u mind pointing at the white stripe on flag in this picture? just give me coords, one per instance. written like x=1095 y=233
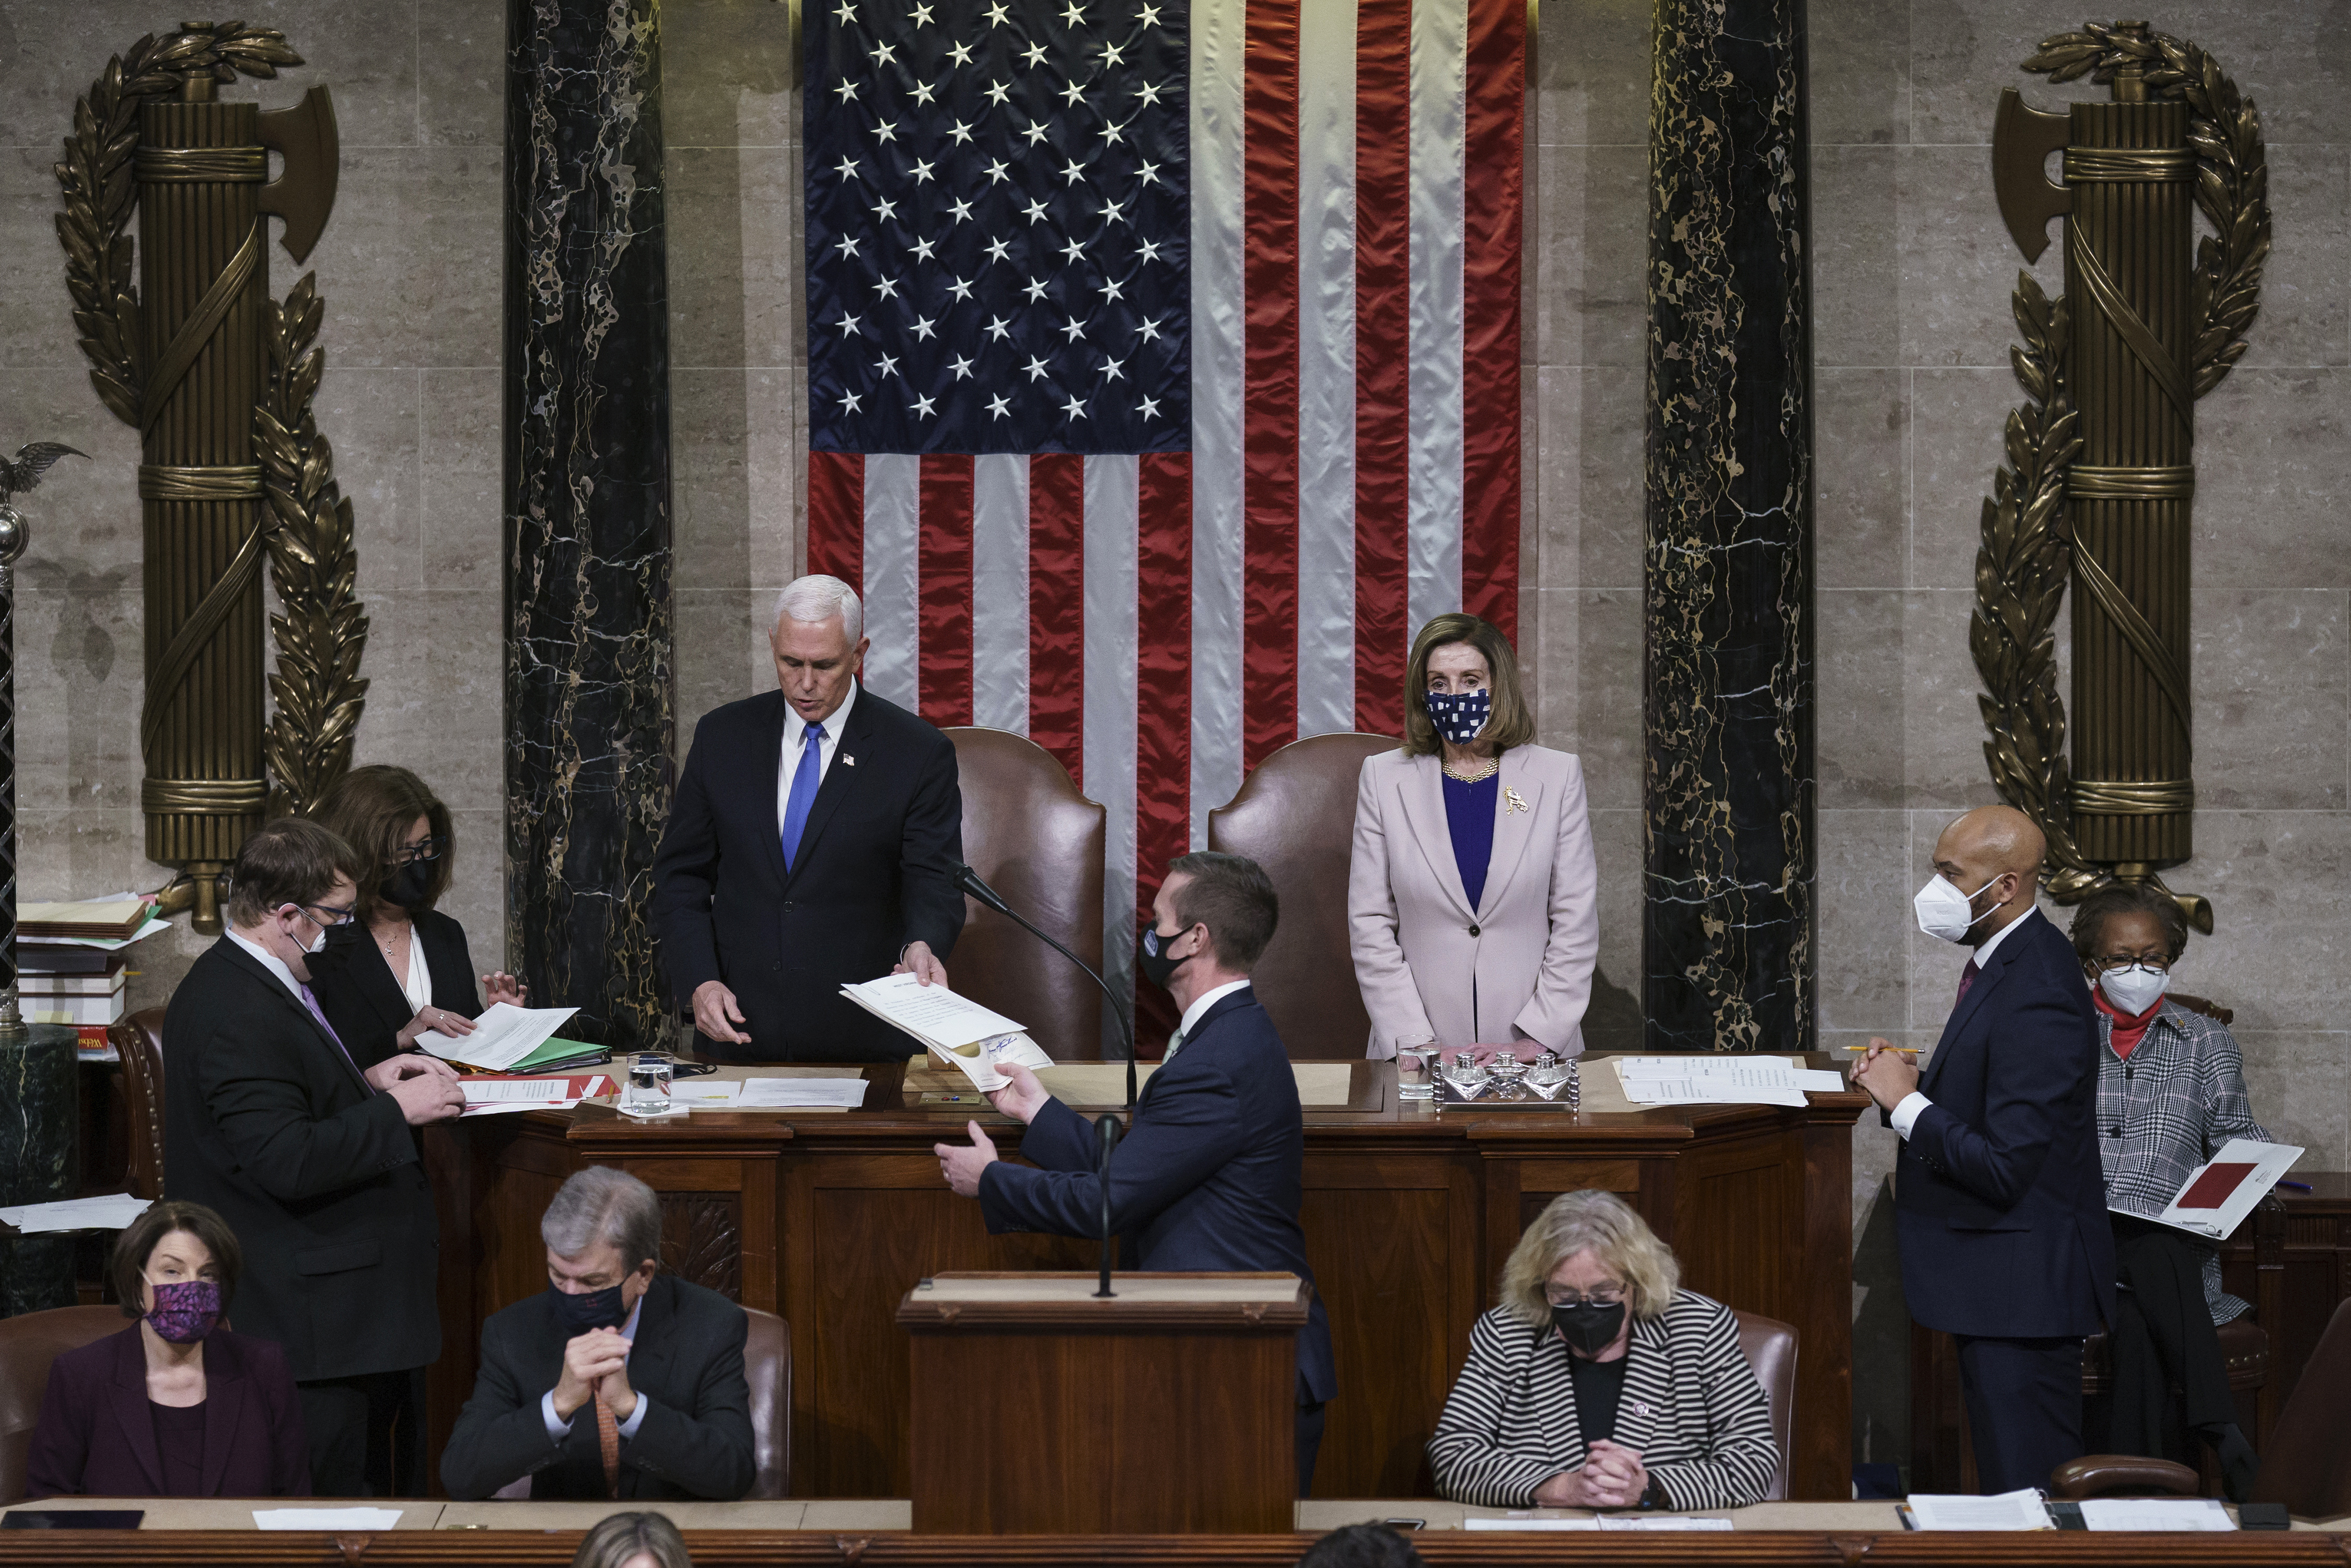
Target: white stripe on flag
x=892 y=589
x=1440 y=76
x=1112 y=571
x=1218 y=42
x=1326 y=366
x=999 y=591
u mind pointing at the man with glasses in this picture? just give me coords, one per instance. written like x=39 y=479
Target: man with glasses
x=268 y=1121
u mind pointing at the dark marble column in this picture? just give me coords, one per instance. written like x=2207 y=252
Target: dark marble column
x=40 y=1123
x=589 y=714
x=1728 y=579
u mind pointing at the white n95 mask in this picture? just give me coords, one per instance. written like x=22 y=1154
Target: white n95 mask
x=1944 y=911
x=2134 y=990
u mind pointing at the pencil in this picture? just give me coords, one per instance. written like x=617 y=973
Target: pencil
x=1898 y=1050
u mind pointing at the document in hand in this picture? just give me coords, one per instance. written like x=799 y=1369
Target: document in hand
x=2217 y=1195
x=958 y=1031
x=502 y=1037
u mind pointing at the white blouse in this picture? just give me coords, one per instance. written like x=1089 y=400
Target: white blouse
x=418 y=986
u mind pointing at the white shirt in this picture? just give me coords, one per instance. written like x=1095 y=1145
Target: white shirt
x=418 y=987
x=271 y=962
x=794 y=729
x=1200 y=1005
x=1906 y=1115
x=558 y=1428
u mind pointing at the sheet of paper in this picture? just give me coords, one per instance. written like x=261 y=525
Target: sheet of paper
x=1660 y=1521
x=932 y=1014
x=1819 y=1080
x=110 y=1211
x=706 y=1093
x=802 y=1093
x=2269 y=1162
x=1527 y=1521
x=2156 y=1513
x=2020 y=1509
x=502 y=1035
x=483 y=1091
x=325 y=1518
x=983 y=1061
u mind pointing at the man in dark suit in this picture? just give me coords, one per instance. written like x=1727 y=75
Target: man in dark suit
x=1208 y=1177
x=1999 y=1205
x=268 y=1121
x=813 y=842
x=657 y=1362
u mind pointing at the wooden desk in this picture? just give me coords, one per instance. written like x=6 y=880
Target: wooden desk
x=828 y=1217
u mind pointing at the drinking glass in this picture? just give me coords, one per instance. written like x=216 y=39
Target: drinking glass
x=1415 y=1061
x=650 y=1073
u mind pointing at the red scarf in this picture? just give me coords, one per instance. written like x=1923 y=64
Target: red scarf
x=2128 y=1031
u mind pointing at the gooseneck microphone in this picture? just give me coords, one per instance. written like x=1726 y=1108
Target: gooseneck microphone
x=1106 y=1128
x=968 y=881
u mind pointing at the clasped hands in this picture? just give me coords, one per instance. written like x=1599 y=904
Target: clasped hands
x=1889 y=1075
x=595 y=1366
x=1612 y=1476
x=1021 y=1099
x=426 y=1088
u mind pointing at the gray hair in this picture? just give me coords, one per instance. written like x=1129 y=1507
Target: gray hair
x=818 y=598
x=600 y=1204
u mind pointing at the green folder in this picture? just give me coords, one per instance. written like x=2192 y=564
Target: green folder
x=557 y=1051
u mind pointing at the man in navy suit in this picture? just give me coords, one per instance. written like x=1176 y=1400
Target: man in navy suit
x=813 y=842
x=1208 y=1176
x=1999 y=1202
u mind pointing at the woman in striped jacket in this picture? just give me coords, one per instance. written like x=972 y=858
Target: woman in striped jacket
x=1599 y=1384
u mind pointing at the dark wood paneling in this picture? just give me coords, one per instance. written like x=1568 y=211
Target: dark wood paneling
x=702 y=1239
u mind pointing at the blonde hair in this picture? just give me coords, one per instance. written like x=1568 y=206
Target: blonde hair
x=1509 y=725
x=1604 y=1225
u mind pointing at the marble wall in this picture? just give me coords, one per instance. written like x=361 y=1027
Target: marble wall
x=409 y=267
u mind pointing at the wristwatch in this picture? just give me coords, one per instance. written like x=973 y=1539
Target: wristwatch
x=1654 y=1497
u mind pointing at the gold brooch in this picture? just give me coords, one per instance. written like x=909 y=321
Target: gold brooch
x=1513 y=800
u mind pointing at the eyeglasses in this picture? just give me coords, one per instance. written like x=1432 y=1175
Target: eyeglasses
x=334 y=916
x=2115 y=961
x=1606 y=1296
x=425 y=850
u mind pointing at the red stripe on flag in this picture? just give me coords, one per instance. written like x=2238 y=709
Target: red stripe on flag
x=1057 y=608
x=944 y=570
x=836 y=516
x=1495 y=158
x=1383 y=371
x=1163 y=760
x=1269 y=374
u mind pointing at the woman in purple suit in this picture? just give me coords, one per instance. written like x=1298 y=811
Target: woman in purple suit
x=175 y=1406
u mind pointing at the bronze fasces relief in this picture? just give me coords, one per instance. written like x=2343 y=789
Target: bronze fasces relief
x=218 y=377
x=2099 y=476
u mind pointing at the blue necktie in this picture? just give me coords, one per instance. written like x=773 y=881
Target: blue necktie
x=803 y=795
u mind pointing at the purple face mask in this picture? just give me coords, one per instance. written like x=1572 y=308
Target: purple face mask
x=184 y=1309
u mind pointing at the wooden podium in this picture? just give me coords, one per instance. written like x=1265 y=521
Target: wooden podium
x=1171 y=1408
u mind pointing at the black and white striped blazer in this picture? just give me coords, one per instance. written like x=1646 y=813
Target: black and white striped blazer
x=1691 y=1408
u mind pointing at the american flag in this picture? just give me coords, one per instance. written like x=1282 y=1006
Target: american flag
x=1164 y=371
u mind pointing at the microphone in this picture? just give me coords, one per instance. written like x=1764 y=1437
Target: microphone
x=1107 y=1128
x=968 y=881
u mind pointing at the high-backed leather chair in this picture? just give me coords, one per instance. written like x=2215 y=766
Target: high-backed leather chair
x=1034 y=839
x=1295 y=816
x=28 y=1345
x=768 y=1368
x=2302 y=1463
x=138 y=1040
x=1770 y=1349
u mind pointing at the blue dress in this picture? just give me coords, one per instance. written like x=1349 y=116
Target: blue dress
x=1470 y=817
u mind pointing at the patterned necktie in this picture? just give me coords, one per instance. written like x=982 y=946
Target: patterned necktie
x=311 y=1001
x=608 y=1438
x=1967 y=980
x=803 y=795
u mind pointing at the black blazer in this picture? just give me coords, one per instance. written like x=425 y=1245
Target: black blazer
x=687 y=1358
x=97 y=1436
x=1999 y=1201
x=362 y=996
x=1209 y=1178
x=265 y=1121
x=874 y=871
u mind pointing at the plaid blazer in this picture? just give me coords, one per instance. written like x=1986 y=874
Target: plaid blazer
x=1692 y=1409
x=2166 y=1110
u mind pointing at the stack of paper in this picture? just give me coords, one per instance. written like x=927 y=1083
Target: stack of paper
x=2021 y=1510
x=955 y=1029
x=503 y=1096
x=110 y=1211
x=2156 y=1513
x=504 y=1037
x=769 y=1093
x=106 y=919
x=325 y=1518
x=1721 y=1081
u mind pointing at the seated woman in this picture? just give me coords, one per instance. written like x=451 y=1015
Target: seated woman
x=177 y=1406
x=400 y=968
x=1599 y=1384
x=2171 y=1091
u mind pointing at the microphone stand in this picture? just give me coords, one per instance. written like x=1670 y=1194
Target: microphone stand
x=1107 y=1128
x=968 y=881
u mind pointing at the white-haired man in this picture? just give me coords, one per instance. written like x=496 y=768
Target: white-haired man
x=813 y=840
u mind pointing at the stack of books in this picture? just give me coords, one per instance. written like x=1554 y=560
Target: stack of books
x=73 y=963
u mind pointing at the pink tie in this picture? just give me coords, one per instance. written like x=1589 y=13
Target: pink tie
x=1967 y=979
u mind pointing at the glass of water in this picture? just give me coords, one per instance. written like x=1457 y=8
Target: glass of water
x=650 y=1073
x=1416 y=1059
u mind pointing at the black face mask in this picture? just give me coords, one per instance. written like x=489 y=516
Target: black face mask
x=1151 y=956
x=410 y=885
x=1588 y=1327
x=589 y=1309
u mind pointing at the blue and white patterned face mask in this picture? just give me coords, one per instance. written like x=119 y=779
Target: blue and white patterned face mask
x=1460 y=716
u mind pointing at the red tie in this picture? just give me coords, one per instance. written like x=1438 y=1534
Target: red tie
x=1967 y=978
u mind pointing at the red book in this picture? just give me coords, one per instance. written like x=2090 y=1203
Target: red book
x=2212 y=1190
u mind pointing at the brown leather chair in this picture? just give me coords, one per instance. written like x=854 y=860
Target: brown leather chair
x=2302 y=1463
x=1295 y=816
x=138 y=1040
x=768 y=1368
x=28 y=1345
x=1034 y=839
x=1770 y=1349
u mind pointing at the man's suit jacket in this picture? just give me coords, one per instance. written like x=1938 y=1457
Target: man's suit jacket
x=1430 y=965
x=97 y=1437
x=1999 y=1201
x=362 y=997
x=687 y=1358
x=873 y=871
x=319 y=1175
x=1208 y=1176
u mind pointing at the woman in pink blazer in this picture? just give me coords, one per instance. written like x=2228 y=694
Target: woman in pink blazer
x=1471 y=898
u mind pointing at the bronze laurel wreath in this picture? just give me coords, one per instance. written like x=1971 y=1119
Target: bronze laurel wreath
x=2024 y=560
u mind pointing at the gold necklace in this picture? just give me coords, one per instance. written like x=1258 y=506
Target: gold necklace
x=1493 y=765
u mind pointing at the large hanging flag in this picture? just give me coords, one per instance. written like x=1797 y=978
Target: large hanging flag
x=1162 y=370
